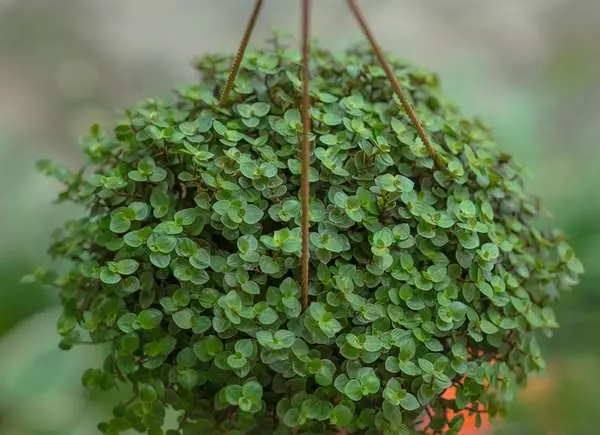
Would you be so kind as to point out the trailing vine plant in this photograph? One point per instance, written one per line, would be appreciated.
(266, 254)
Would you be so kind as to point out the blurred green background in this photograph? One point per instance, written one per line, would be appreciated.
(529, 68)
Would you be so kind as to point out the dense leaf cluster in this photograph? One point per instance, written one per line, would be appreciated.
(424, 277)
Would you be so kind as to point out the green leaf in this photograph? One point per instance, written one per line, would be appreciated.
(222, 207)
(244, 347)
(162, 243)
(201, 324)
(575, 266)
(137, 176)
(488, 327)
(410, 402)
(261, 109)
(126, 267)
(186, 247)
(137, 238)
(252, 390)
(236, 361)
(119, 224)
(141, 210)
(369, 381)
(188, 128)
(160, 260)
(208, 348)
(161, 347)
(203, 123)
(436, 272)
(185, 217)
(148, 393)
(265, 338)
(169, 228)
(187, 378)
(426, 365)
(233, 394)
(109, 277)
(184, 318)
(160, 203)
(468, 239)
(131, 285)
(319, 410)
(269, 266)
(284, 339)
(341, 416)
(150, 318)
(251, 287)
(129, 343)
(290, 418)
(383, 238)
(201, 259)
(393, 392)
(329, 139)
(467, 210)
(245, 110)
(127, 323)
(488, 252)
(158, 175)
(252, 214)
(353, 390)
(372, 343)
(267, 316)
(325, 374)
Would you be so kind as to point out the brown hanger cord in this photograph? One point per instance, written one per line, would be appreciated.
(240, 54)
(306, 151)
(394, 81)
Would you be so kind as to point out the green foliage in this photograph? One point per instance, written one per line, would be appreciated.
(423, 277)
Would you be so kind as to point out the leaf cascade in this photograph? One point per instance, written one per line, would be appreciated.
(187, 260)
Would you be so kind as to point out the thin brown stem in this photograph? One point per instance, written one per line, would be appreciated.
(393, 80)
(306, 151)
(240, 54)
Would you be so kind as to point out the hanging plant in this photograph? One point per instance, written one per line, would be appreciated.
(426, 272)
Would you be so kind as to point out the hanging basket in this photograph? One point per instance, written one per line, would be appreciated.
(269, 254)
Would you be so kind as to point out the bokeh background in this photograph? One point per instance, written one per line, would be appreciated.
(530, 68)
